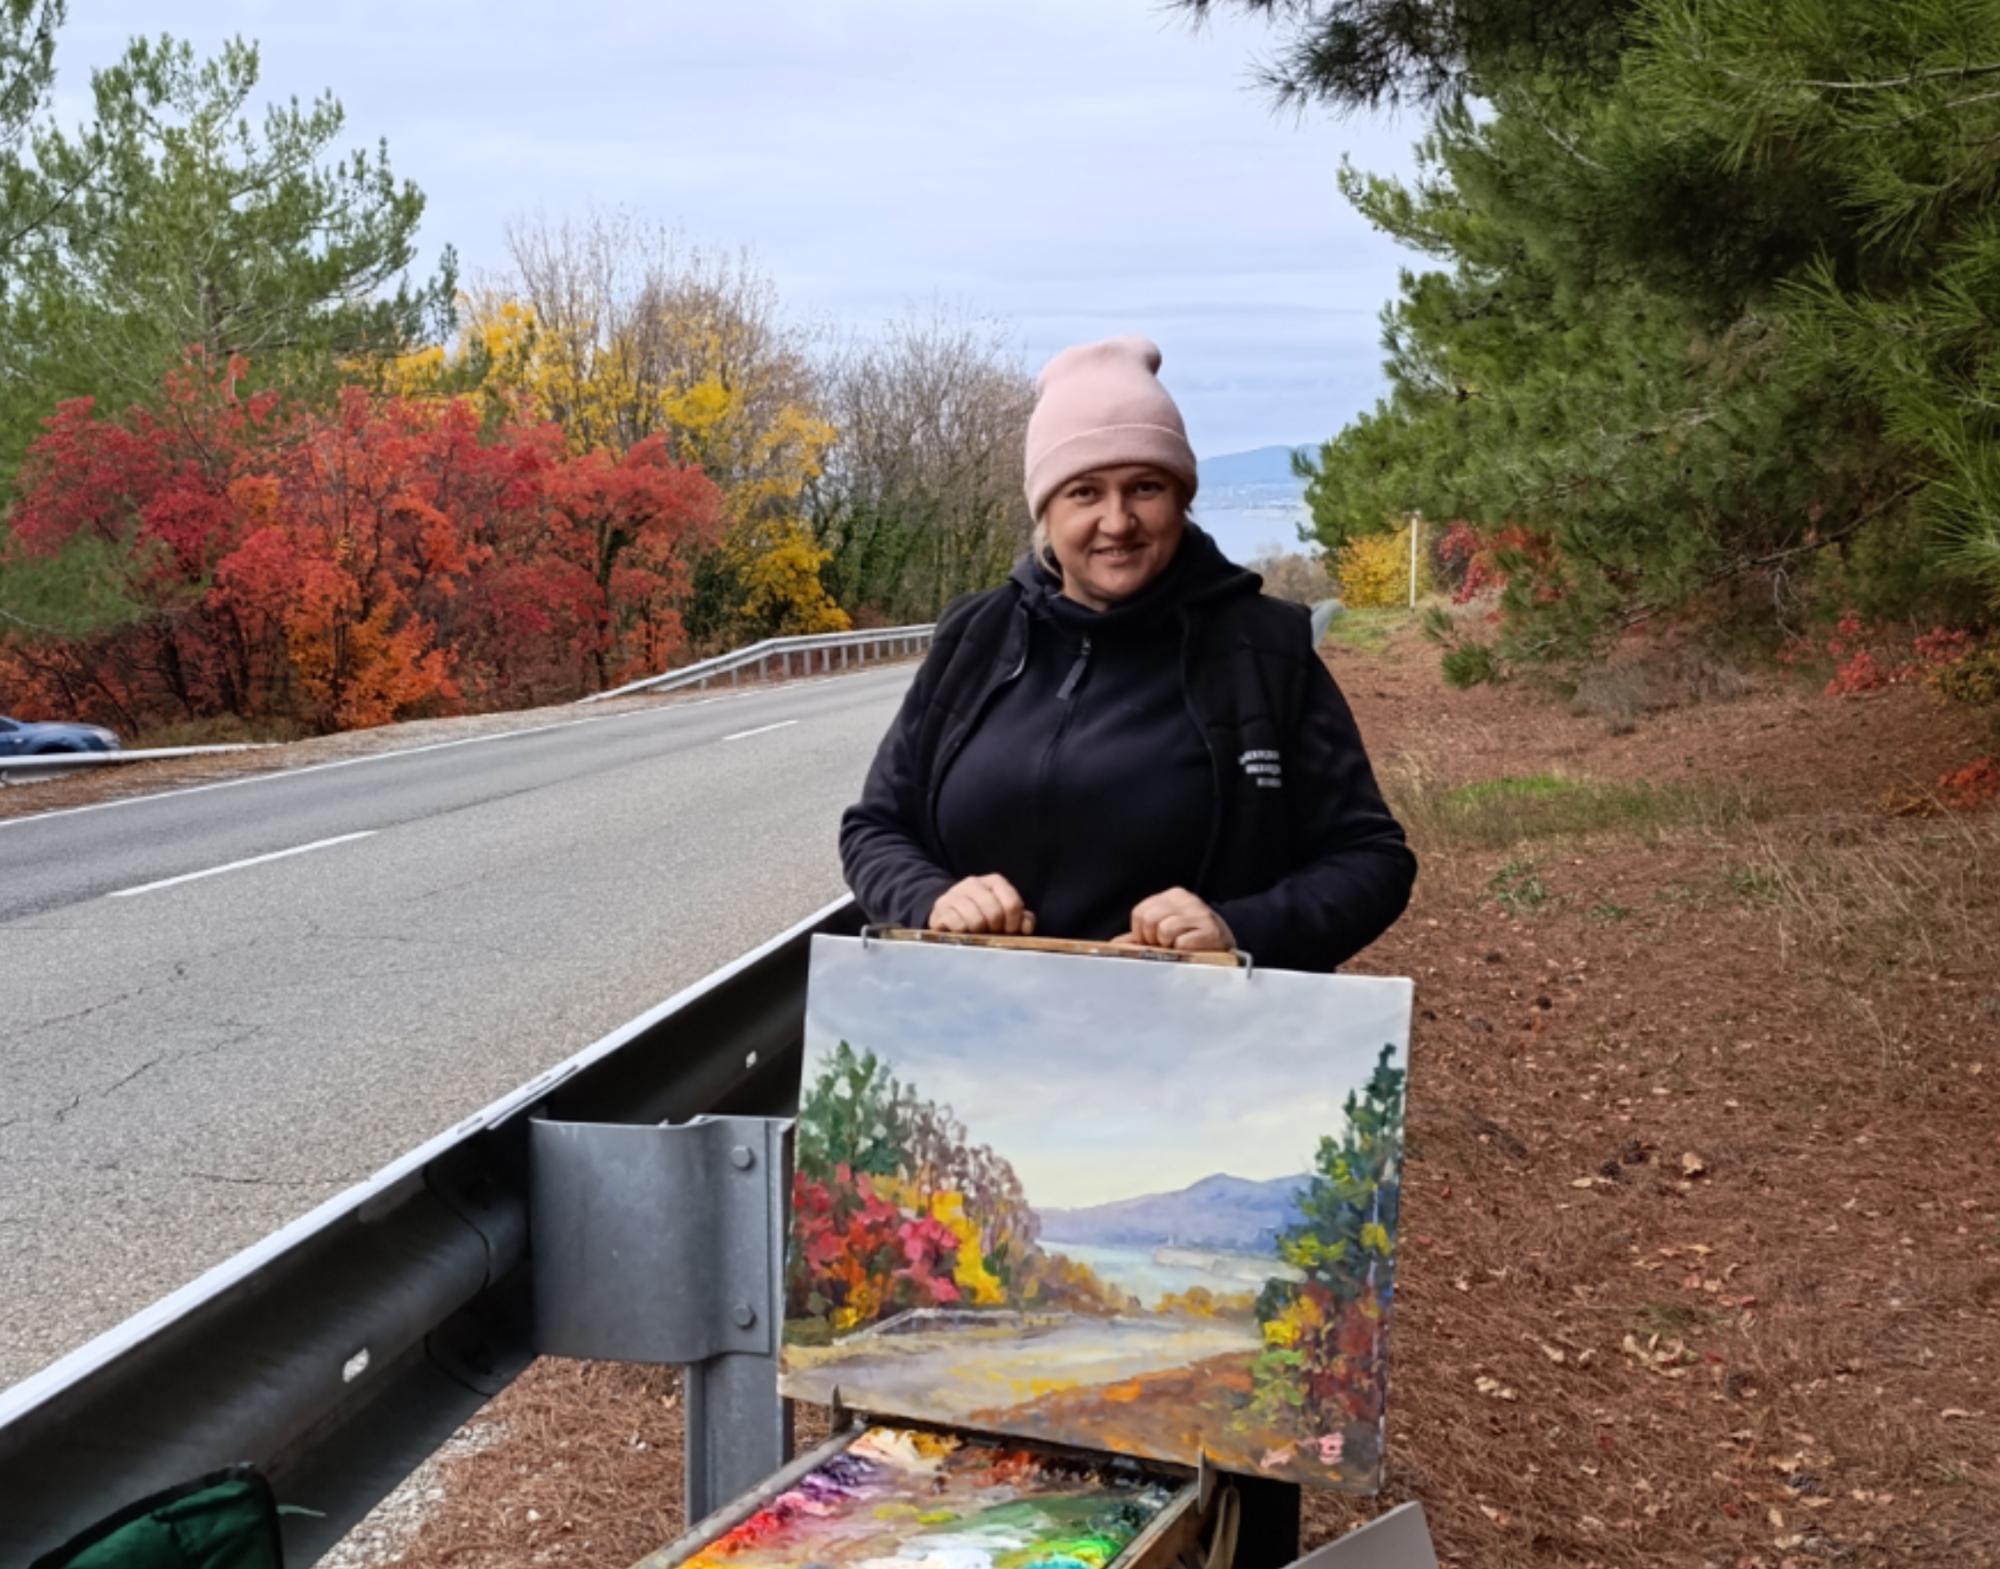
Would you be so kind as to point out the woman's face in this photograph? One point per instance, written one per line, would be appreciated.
(1113, 531)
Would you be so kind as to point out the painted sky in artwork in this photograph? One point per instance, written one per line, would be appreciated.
(1258, 1071)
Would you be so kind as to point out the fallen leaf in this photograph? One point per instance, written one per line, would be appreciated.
(1692, 1165)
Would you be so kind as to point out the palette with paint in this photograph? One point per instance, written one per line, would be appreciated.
(907, 1498)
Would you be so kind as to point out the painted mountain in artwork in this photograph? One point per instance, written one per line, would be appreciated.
(1216, 1212)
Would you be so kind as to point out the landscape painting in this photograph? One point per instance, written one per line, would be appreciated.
(1142, 1208)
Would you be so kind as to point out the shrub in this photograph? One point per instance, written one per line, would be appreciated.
(1470, 664)
(1975, 785)
(1374, 570)
(1293, 575)
(1973, 679)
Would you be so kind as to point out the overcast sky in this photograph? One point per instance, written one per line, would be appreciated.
(1105, 1079)
(1074, 168)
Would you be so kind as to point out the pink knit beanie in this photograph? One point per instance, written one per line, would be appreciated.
(1100, 404)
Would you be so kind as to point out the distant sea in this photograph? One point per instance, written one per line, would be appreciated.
(1246, 531)
(1133, 1270)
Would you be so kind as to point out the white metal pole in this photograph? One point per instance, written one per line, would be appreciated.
(1416, 527)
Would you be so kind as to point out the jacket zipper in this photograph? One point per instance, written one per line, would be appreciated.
(1068, 689)
(1066, 696)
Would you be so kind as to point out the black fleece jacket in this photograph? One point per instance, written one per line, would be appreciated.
(1189, 737)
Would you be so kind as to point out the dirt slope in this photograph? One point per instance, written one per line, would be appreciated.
(1701, 1240)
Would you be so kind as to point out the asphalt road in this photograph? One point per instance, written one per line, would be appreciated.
(194, 1050)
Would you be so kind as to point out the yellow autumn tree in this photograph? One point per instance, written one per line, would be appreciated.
(634, 335)
(488, 360)
(1374, 570)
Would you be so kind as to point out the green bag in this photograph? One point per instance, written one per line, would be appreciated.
(225, 1520)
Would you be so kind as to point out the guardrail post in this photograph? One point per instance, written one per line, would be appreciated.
(667, 1245)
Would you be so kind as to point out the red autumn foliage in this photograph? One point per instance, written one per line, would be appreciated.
(1867, 658)
(348, 565)
(1975, 785)
(1474, 560)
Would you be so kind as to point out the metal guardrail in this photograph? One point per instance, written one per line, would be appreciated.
(882, 642)
(338, 1353)
(57, 762)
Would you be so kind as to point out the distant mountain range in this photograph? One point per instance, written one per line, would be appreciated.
(1252, 502)
(1259, 467)
(1216, 1212)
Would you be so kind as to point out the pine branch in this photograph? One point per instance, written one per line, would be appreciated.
(1737, 568)
(1944, 73)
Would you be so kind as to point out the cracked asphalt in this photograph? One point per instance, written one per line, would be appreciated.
(184, 1069)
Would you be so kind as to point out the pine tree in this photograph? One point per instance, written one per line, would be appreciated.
(1712, 302)
(168, 223)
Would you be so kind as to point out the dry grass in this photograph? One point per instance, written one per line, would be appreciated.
(1368, 630)
(1652, 680)
(1515, 808)
(1870, 893)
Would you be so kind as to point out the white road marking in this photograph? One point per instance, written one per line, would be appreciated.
(411, 751)
(760, 730)
(231, 866)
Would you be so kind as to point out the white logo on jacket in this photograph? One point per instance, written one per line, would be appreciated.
(1264, 765)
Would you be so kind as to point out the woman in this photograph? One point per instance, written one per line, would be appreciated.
(1126, 740)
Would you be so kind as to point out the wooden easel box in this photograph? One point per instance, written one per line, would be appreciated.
(1177, 1529)
(1174, 1531)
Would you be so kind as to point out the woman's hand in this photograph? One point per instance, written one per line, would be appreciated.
(1179, 919)
(982, 904)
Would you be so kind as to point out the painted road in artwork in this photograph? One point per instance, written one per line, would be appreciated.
(895, 1499)
(1137, 1207)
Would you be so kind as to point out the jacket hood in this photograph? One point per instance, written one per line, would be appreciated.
(1199, 574)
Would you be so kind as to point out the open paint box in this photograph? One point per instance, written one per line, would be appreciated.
(906, 1497)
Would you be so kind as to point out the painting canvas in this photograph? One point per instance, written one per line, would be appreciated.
(1142, 1208)
(897, 1499)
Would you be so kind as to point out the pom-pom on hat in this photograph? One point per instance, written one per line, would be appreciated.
(1101, 404)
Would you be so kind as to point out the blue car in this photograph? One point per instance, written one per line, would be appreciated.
(22, 738)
